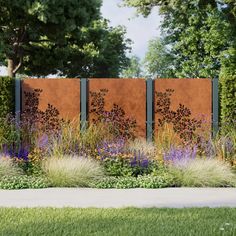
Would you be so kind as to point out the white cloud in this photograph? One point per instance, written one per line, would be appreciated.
(139, 29)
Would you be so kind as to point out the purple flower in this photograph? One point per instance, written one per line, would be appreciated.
(20, 152)
(228, 144)
(42, 141)
(110, 149)
(180, 155)
(139, 159)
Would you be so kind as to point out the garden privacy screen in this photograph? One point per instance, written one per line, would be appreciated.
(143, 104)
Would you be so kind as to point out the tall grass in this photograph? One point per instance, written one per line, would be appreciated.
(70, 139)
(72, 171)
(225, 146)
(141, 145)
(203, 173)
(66, 140)
(165, 139)
(8, 168)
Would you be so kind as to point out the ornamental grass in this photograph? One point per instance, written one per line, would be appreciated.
(72, 171)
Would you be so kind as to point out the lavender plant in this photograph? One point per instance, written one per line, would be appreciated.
(118, 162)
(180, 156)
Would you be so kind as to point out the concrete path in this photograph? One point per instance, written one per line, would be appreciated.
(85, 197)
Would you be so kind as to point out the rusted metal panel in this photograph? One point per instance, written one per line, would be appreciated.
(64, 94)
(129, 94)
(195, 94)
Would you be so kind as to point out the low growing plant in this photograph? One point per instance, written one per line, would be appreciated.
(23, 182)
(72, 171)
(142, 181)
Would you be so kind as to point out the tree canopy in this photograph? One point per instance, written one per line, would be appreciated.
(158, 61)
(134, 69)
(39, 37)
(198, 32)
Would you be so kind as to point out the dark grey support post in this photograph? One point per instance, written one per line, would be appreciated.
(17, 98)
(83, 103)
(215, 105)
(150, 100)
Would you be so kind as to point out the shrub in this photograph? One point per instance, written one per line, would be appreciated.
(203, 173)
(23, 182)
(117, 161)
(6, 96)
(72, 171)
(228, 90)
(8, 168)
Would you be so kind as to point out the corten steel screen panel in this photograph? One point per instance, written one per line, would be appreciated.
(64, 94)
(129, 94)
(195, 94)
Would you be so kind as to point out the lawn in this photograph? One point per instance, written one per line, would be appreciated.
(125, 222)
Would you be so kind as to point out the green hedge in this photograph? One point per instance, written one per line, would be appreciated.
(6, 96)
(228, 89)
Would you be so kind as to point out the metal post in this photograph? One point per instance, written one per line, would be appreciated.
(215, 105)
(83, 103)
(17, 98)
(150, 98)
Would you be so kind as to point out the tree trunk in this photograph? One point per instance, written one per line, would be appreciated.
(10, 68)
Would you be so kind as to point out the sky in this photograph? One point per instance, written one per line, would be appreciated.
(139, 29)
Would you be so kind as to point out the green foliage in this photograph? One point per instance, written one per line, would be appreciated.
(72, 171)
(122, 166)
(66, 36)
(228, 90)
(203, 173)
(6, 96)
(142, 181)
(196, 32)
(134, 69)
(102, 55)
(159, 62)
(23, 182)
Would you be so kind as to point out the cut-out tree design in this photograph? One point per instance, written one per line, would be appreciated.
(47, 120)
(180, 119)
(119, 123)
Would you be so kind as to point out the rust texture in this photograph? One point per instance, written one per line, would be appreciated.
(64, 94)
(129, 94)
(196, 94)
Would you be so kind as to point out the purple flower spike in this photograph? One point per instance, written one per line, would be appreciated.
(42, 141)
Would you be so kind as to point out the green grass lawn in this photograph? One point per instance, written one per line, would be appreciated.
(125, 222)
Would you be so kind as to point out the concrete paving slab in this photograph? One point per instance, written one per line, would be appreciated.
(117, 198)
